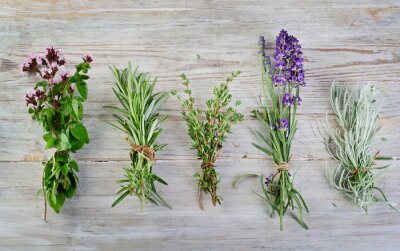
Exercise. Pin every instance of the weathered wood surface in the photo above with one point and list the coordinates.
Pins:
(354, 41)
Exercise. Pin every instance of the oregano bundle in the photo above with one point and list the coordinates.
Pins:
(350, 143)
(139, 118)
(208, 129)
(56, 105)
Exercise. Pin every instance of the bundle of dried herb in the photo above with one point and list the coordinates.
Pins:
(350, 140)
(139, 119)
(281, 84)
(54, 103)
(209, 133)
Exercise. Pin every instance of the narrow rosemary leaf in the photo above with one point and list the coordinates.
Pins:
(138, 117)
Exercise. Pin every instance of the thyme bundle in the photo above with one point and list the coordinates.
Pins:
(140, 120)
(350, 139)
(281, 84)
(209, 134)
(54, 103)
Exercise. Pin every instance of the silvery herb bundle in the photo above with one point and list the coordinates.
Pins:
(138, 117)
(56, 105)
(281, 84)
(208, 129)
(350, 139)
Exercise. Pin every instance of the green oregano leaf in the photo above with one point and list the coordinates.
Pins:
(63, 143)
(79, 131)
(82, 89)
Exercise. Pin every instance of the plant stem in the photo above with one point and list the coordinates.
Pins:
(44, 195)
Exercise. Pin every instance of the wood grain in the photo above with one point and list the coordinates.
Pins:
(351, 41)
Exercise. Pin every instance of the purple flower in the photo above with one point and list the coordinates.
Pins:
(268, 179)
(298, 100)
(31, 64)
(46, 67)
(288, 100)
(61, 76)
(54, 55)
(33, 97)
(261, 44)
(289, 61)
(283, 125)
(87, 58)
(266, 59)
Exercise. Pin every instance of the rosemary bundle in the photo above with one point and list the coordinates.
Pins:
(139, 119)
(54, 103)
(350, 139)
(281, 85)
(209, 133)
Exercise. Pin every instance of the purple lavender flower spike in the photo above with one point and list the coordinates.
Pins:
(289, 61)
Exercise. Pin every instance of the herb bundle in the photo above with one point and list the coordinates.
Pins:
(281, 84)
(54, 103)
(209, 133)
(140, 120)
(356, 111)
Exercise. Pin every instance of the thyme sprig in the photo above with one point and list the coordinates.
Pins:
(140, 120)
(350, 139)
(208, 129)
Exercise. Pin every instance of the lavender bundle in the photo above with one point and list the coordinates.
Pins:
(281, 84)
(138, 117)
(350, 140)
(209, 134)
(54, 103)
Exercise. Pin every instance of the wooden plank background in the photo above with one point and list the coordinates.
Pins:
(354, 41)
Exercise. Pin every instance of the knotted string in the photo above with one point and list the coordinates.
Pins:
(147, 151)
(206, 165)
(213, 192)
(283, 166)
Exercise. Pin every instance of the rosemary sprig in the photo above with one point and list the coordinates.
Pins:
(356, 111)
(209, 133)
(139, 119)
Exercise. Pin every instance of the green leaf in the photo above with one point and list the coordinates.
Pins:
(50, 143)
(120, 198)
(82, 89)
(47, 136)
(64, 169)
(74, 165)
(75, 108)
(241, 177)
(79, 131)
(63, 143)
